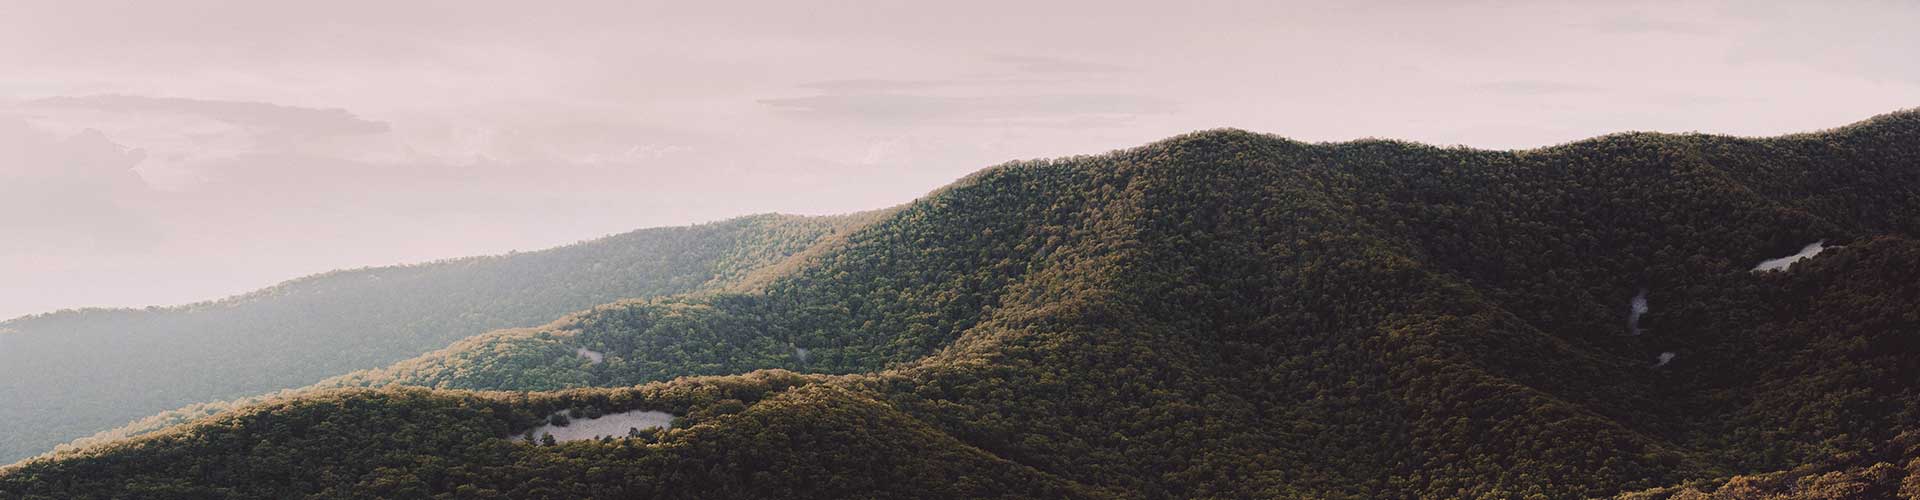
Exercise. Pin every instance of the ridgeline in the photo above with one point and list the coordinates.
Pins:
(1217, 315)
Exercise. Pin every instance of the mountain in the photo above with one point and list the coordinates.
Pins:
(1217, 315)
(76, 372)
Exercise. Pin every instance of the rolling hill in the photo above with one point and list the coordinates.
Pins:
(1217, 315)
(77, 372)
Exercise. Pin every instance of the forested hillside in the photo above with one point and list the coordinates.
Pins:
(72, 373)
(1217, 315)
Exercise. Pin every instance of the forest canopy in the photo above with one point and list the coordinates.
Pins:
(1217, 315)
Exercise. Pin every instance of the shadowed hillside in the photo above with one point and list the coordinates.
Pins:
(1216, 315)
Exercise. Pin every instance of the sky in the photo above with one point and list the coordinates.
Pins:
(158, 153)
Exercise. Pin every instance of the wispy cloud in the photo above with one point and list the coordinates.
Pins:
(1054, 65)
(180, 136)
(968, 110)
(1024, 91)
(1533, 87)
(84, 178)
(1640, 24)
(306, 121)
(862, 86)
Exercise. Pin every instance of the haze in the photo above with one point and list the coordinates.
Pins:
(167, 152)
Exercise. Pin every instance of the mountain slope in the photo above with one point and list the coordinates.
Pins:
(73, 373)
(1218, 315)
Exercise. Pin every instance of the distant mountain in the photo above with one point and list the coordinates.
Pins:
(1216, 315)
(73, 373)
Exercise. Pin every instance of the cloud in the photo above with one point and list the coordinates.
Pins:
(181, 136)
(1053, 65)
(289, 119)
(1635, 24)
(74, 194)
(1875, 45)
(883, 108)
(29, 154)
(1022, 91)
(864, 86)
(1532, 87)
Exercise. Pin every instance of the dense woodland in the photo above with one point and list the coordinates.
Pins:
(74, 373)
(1217, 315)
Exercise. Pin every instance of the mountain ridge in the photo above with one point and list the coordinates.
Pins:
(1223, 314)
(133, 362)
(296, 284)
